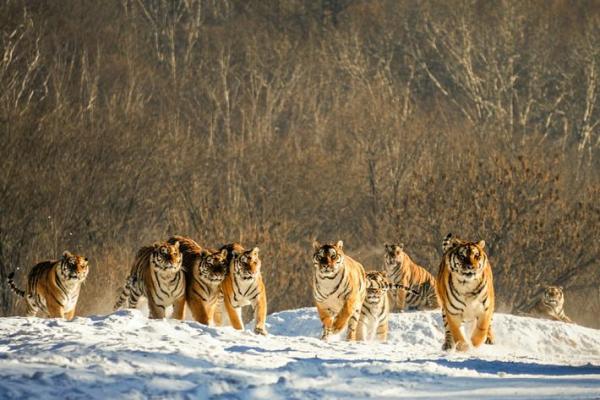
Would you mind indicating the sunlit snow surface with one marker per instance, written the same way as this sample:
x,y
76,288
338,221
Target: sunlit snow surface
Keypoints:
x,y
125,355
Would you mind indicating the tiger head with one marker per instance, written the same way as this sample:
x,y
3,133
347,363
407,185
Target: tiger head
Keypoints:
x,y
467,259
377,286
213,265
394,255
247,264
73,267
328,258
553,296
166,257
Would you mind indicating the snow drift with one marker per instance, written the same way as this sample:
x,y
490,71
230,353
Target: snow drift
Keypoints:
x,y
125,355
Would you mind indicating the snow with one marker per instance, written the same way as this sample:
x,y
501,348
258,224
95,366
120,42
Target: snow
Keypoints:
x,y
125,355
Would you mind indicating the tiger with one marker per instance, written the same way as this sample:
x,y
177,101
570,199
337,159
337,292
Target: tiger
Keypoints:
x,y
465,288
157,274
374,314
205,269
53,286
402,270
551,305
243,285
339,289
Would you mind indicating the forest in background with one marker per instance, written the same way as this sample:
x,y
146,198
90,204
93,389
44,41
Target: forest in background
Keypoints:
x,y
273,123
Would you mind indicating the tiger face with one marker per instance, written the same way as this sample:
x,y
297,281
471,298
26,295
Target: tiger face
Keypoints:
x,y
328,258
247,264
213,265
73,267
468,259
393,255
377,286
166,257
554,296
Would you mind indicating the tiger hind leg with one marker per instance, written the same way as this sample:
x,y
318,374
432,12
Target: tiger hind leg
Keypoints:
x,y
124,297
32,309
490,339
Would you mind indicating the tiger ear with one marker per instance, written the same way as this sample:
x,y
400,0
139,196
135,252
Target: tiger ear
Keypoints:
x,y
387,246
481,244
254,252
176,244
339,244
401,245
204,253
316,245
156,245
67,254
224,253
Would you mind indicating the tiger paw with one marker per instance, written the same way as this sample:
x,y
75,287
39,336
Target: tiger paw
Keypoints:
x,y
325,335
489,341
260,331
462,346
447,346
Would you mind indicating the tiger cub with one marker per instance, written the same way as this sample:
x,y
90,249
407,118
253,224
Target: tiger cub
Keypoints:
x,y
243,286
205,269
53,286
339,289
465,289
402,270
551,305
156,273
373,320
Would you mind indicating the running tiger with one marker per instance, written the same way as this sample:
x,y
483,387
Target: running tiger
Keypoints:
x,y
551,305
205,269
465,289
403,271
53,286
243,286
375,311
156,273
339,289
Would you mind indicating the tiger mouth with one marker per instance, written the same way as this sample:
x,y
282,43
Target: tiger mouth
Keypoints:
x,y
468,274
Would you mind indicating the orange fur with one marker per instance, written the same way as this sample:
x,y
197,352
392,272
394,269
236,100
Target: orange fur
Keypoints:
x,y
205,270
156,273
402,270
339,288
465,289
243,286
53,286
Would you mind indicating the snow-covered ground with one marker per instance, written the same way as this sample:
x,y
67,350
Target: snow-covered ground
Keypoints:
x,y
125,355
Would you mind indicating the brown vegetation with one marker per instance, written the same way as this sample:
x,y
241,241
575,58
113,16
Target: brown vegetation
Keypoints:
x,y
271,123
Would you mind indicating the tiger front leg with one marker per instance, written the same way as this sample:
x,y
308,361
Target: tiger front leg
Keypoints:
x,y
260,314
326,320
156,311
352,323
349,309
481,331
70,314
382,331
179,308
234,318
55,310
453,333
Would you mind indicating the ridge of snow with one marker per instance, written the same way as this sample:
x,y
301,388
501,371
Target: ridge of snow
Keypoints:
x,y
126,355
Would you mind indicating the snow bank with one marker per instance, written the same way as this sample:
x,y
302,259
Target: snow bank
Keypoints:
x,y
125,355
